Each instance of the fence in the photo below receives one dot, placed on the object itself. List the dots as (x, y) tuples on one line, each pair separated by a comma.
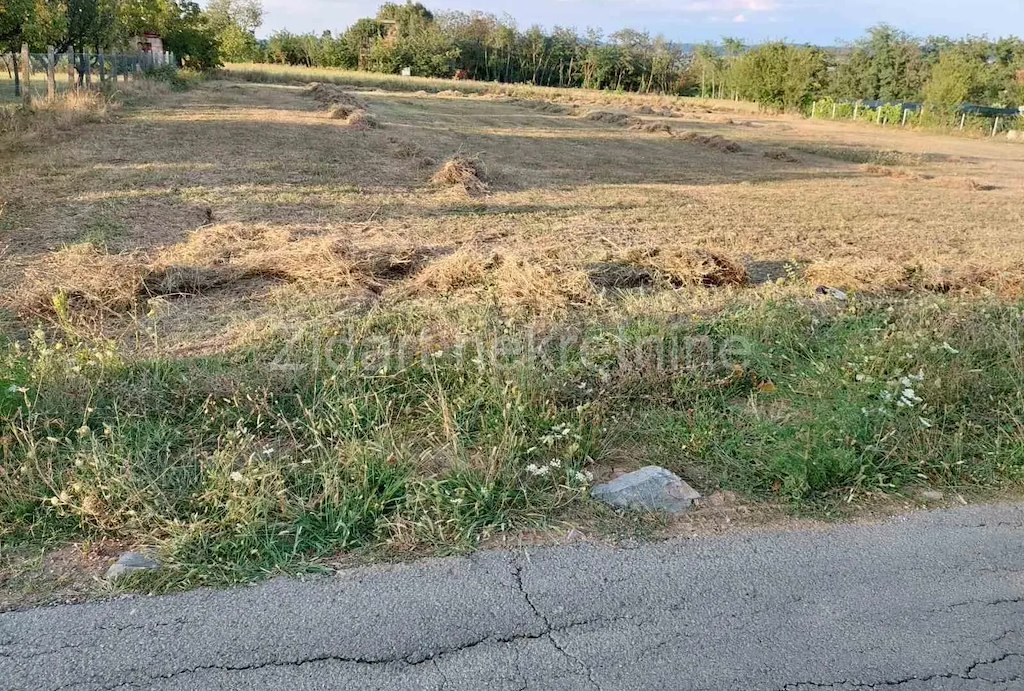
[(966, 117), (28, 75)]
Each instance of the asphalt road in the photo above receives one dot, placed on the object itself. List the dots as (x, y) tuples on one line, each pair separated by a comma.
[(933, 601)]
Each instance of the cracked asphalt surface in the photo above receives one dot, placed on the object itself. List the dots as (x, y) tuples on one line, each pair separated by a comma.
[(930, 601)]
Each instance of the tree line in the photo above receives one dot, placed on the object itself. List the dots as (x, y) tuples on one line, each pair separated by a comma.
[(887, 64), (197, 36)]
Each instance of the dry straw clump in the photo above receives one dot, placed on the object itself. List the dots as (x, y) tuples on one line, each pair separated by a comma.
[(215, 258), (611, 118), (86, 277), (529, 282), (714, 141), (682, 266), (62, 112), (331, 95), (362, 120), (462, 171), (780, 155), (459, 270), (342, 105), (652, 127)]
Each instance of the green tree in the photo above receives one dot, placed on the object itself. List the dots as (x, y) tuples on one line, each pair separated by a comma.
[(781, 76), (234, 24), (955, 79)]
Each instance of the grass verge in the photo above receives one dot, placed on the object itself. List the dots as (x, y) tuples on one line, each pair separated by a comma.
[(352, 438)]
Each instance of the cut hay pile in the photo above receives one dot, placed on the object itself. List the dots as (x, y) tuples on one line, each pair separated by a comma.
[(713, 141), (542, 106), (362, 120), (215, 258), (461, 269), (534, 283), (890, 172), (780, 155), (652, 127), (84, 276), (611, 118), (462, 171), (682, 266), (331, 95), (342, 105)]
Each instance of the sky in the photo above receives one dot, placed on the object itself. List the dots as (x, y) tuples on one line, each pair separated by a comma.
[(695, 21)]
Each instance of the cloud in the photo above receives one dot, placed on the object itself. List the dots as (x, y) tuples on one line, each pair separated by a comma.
[(724, 6), (739, 18)]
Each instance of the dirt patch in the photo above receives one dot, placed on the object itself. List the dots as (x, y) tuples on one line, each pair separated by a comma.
[(620, 275), (768, 271), (66, 575)]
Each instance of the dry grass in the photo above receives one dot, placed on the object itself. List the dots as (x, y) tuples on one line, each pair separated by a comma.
[(462, 171), (85, 277), (652, 127), (611, 118), (51, 116), (682, 266), (317, 214), (713, 141)]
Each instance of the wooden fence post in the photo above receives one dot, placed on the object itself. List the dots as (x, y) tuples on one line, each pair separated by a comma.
[(835, 107), (103, 67), (878, 117), (995, 127), (51, 73), (814, 108), (71, 68), (963, 119), (88, 69), (905, 111), (856, 110), (26, 75)]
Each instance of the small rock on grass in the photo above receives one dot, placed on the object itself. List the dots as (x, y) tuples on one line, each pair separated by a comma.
[(648, 489), (129, 563), (834, 293), (932, 495)]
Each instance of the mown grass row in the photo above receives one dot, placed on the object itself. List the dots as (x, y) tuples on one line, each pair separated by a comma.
[(290, 74), (347, 438)]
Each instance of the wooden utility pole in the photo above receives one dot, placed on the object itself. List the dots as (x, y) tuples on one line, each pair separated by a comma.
[(51, 73), (71, 68), (26, 75)]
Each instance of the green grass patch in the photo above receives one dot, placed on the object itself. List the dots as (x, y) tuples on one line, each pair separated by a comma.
[(361, 438)]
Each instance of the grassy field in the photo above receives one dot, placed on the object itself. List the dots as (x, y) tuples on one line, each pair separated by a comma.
[(255, 326)]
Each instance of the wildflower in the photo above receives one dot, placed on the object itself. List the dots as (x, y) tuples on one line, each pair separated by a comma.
[(236, 477), (950, 349), (556, 463)]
